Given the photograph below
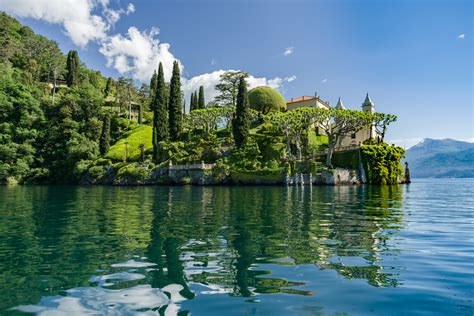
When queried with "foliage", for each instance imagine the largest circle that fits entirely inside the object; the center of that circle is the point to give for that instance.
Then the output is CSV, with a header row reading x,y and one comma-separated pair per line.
x,y
207,119
381,122
160,113
174,107
72,66
108,87
337,123
134,138
246,157
228,87
241,122
20,114
266,99
201,98
133,171
382,163
104,143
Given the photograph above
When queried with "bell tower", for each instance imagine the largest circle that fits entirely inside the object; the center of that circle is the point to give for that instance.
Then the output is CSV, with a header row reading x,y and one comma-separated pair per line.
x,y
368,105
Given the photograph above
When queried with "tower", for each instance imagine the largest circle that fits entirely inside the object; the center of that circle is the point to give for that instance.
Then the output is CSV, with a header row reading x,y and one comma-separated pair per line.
x,y
368,105
339,105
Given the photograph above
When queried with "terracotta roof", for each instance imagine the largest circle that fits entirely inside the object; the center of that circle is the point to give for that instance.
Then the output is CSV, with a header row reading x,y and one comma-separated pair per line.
x,y
300,99
307,98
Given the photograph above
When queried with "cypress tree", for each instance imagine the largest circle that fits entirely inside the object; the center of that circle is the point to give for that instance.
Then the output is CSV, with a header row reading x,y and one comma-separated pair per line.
x,y
108,87
160,113
241,122
201,102
196,102
104,142
140,114
191,103
153,84
174,105
72,66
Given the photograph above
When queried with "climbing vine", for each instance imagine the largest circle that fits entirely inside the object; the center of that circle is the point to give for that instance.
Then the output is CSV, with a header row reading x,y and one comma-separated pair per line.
x,y
382,163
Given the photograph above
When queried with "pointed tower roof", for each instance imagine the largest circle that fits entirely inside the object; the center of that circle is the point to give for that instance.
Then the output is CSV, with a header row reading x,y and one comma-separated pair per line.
x,y
339,104
367,101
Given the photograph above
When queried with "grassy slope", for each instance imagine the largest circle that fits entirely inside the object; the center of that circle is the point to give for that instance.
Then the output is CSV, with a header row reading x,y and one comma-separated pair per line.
x,y
135,137
143,135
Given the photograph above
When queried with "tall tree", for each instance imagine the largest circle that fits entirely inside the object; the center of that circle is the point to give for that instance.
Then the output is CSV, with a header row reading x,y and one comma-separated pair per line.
x,y
108,87
241,123
153,85
381,122
160,113
201,101
196,100
174,105
337,123
104,142
228,87
191,103
140,114
72,67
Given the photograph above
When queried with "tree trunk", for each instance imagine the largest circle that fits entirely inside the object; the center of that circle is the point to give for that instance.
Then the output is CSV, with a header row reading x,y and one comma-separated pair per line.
x,y
330,150
129,107
298,147
288,145
54,84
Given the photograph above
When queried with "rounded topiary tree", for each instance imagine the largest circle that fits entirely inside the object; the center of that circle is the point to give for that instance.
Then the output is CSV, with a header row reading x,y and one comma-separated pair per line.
x,y
265,100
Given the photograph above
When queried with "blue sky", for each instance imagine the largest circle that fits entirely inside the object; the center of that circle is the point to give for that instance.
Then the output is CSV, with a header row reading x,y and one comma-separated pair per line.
x,y
415,58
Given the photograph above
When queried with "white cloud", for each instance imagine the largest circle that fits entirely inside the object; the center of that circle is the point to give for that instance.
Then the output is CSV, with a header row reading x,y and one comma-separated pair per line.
x,y
137,54
209,81
461,36
288,51
324,80
76,17
291,78
130,8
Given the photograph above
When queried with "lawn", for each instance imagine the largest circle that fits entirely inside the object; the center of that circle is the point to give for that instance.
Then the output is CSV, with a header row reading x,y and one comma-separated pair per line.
x,y
135,137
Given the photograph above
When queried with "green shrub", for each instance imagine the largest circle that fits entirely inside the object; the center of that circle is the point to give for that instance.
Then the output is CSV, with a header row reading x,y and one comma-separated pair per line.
x,y
382,163
102,162
266,99
134,171
246,157
186,181
97,172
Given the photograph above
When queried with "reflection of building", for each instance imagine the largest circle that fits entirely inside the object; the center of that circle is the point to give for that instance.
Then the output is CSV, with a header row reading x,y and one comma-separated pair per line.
x,y
348,140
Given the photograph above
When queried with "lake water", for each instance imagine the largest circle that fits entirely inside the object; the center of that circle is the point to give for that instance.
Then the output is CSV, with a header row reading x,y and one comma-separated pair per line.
x,y
392,250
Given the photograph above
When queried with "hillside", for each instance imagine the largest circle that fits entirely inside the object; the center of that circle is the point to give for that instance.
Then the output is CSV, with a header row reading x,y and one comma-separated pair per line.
x,y
439,158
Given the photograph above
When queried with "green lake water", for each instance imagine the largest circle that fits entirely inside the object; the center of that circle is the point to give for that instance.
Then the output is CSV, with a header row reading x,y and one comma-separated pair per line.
x,y
358,250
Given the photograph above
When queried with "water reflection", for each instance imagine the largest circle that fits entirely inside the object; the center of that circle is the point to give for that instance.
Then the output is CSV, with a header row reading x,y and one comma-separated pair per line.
x,y
65,243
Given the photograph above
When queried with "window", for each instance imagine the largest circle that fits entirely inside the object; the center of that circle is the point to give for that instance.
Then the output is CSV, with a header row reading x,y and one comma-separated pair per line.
x,y
353,136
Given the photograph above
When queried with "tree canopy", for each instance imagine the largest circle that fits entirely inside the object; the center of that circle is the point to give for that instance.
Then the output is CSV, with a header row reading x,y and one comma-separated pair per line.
x,y
266,99
228,87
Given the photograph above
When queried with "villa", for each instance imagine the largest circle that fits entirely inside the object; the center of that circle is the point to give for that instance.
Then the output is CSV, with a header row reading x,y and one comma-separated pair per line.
x,y
349,140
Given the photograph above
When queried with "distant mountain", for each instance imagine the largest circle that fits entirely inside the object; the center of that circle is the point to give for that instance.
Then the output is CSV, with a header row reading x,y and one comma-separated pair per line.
x,y
441,158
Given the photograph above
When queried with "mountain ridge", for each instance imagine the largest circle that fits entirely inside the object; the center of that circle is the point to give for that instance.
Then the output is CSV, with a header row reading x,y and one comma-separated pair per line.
x,y
441,158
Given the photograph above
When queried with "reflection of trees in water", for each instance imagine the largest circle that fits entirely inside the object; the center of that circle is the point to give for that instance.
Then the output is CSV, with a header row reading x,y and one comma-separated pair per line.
x,y
307,225
222,236
164,248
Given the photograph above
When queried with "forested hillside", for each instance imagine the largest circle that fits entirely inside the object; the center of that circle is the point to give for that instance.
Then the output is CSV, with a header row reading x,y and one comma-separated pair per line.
x,y
52,108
